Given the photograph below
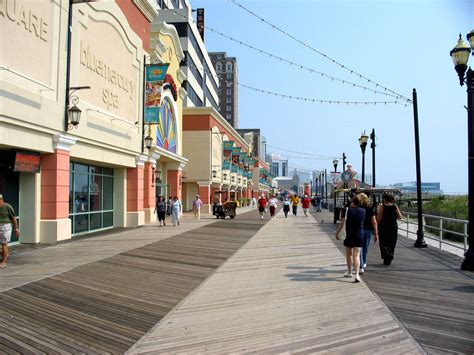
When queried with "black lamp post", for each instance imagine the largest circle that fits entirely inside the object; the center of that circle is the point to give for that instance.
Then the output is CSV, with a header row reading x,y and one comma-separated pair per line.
x,y
372,145
460,56
363,144
326,187
334,162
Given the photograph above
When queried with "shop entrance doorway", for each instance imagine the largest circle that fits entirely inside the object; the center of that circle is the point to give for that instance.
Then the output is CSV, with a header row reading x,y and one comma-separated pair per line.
x,y
10,185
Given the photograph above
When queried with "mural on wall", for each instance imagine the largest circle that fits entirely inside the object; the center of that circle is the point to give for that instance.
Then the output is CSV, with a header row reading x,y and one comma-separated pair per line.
x,y
166,132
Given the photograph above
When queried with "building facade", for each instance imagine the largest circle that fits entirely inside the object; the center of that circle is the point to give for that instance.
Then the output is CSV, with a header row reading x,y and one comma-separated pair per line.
x,y
201,84
227,71
220,163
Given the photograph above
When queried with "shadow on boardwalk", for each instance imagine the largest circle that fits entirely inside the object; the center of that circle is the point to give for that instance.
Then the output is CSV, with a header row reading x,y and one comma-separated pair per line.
x,y
426,291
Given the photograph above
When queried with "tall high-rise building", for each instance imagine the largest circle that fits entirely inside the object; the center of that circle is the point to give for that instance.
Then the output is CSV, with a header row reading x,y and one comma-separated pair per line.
x,y
227,71
275,168
201,83
284,167
256,140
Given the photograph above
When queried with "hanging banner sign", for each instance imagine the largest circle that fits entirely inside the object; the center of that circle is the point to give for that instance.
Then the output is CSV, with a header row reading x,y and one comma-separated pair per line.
x,y
235,155
227,153
154,77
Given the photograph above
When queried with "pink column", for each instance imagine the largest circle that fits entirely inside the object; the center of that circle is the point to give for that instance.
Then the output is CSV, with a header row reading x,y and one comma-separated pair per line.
x,y
205,194
135,189
148,189
55,185
174,181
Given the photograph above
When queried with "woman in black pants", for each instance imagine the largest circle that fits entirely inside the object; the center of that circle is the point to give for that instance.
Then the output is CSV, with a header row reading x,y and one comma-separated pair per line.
x,y
387,216
160,209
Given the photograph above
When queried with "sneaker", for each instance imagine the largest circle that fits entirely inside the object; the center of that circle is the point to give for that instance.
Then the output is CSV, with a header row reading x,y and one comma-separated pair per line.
x,y
365,266
348,274
261,217
361,270
357,279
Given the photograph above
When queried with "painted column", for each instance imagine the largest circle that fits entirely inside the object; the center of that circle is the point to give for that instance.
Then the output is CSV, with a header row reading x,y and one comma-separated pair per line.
x,y
205,196
135,213
149,189
55,224
174,180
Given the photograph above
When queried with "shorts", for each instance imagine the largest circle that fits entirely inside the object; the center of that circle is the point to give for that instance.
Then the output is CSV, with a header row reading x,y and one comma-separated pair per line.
x,y
261,209
5,233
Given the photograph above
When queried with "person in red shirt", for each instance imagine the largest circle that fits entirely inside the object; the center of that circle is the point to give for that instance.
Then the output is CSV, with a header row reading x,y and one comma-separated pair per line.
x,y
306,202
262,204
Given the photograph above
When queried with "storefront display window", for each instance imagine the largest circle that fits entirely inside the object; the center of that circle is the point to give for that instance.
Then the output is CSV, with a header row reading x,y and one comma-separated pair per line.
x,y
90,198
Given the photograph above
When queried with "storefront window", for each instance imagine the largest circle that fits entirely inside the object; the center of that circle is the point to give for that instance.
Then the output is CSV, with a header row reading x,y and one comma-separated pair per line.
x,y
90,198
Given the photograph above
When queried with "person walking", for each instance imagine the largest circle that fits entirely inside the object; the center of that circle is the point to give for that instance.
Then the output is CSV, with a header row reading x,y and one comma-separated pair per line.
x,y
262,205
272,203
318,203
387,216
254,202
8,223
197,204
160,210
354,223
305,202
169,204
286,206
294,203
176,210
370,228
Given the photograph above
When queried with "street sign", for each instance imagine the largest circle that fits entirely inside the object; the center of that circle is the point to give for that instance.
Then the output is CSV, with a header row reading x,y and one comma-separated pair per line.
x,y
346,176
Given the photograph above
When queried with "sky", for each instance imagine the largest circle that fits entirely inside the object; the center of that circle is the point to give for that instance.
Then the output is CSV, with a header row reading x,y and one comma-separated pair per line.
x,y
400,44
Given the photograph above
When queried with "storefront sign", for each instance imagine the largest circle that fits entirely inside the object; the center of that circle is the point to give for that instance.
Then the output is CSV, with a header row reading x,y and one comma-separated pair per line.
x,y
200,22
27,162
154,77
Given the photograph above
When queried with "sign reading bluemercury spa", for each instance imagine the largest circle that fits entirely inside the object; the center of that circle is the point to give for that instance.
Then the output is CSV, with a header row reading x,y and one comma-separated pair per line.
x,y
107,56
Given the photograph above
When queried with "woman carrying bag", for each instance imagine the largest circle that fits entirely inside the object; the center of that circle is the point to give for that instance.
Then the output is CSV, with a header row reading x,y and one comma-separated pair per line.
x,y
353,221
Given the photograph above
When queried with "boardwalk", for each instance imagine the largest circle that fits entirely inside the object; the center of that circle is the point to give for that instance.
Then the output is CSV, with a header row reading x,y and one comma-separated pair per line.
x,y
282,292
241,286
427,292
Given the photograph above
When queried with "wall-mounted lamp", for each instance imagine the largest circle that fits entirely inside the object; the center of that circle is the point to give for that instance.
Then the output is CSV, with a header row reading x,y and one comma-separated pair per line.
x,y
148,142
158,175
74,112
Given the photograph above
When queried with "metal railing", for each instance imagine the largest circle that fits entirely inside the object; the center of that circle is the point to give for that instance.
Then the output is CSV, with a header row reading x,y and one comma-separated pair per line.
x,y
410,218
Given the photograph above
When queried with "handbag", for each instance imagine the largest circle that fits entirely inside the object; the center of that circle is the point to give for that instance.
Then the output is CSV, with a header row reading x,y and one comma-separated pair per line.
x,y
342,233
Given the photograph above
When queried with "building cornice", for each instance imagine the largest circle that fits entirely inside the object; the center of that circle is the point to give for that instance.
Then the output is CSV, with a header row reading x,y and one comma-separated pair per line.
x,y
63,142
168,30
146,8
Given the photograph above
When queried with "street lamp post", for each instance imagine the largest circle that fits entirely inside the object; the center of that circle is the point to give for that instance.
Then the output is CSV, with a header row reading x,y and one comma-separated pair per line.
x,y
363,144
334,162
326,187
460,56
420,240
372,146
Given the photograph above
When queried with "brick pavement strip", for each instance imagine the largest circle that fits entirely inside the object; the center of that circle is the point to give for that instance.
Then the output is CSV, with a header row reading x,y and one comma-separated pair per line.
x,y
282,292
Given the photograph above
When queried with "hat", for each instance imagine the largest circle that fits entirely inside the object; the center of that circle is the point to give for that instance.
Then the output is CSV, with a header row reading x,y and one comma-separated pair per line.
x,y
1,197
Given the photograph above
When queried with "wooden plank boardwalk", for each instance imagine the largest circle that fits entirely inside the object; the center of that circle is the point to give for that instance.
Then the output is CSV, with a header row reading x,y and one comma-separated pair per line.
x,y
106,305
283,291
427,292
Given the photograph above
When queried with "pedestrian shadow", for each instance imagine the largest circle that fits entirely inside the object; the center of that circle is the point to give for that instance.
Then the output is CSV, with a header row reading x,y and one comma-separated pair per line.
x,y
463,289
316,274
